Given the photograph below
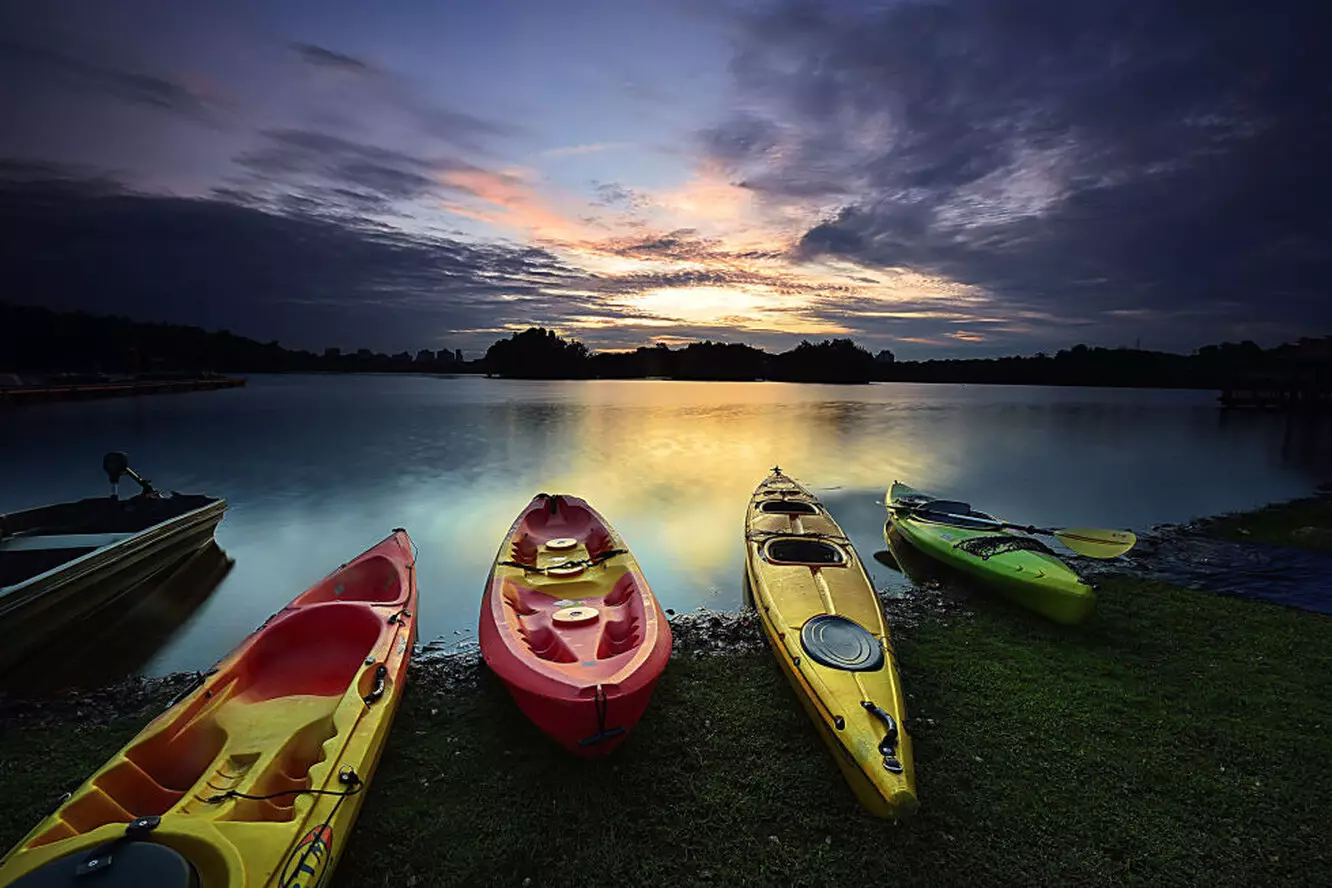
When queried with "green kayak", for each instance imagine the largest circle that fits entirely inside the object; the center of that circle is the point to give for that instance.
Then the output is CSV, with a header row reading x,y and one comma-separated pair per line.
x,y
1016,565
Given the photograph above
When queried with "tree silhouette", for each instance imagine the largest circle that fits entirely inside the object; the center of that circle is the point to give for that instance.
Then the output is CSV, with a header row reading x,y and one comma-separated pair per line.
x,y
537,353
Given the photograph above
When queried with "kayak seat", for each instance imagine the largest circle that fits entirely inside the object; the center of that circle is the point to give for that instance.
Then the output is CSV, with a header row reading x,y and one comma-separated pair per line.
x,y
544,641
560,520
313,651
802,550
375,579
841,643
618,635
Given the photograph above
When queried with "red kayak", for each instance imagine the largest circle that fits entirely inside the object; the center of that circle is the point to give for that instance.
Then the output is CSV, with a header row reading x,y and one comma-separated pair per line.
x,y
569,624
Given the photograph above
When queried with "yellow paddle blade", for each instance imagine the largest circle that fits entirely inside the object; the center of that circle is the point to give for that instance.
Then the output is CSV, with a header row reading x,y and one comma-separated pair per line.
x,y
1095,542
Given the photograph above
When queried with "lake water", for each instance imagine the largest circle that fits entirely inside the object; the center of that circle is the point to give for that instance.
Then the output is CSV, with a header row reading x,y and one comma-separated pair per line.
x,y
318,468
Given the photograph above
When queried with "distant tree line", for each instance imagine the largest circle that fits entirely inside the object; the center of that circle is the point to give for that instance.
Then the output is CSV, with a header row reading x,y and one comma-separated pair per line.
x,y
40,340
1212,366
536,353
541,354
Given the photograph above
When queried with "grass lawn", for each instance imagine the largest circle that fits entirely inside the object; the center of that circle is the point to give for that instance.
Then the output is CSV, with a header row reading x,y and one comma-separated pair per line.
x,y
1180,738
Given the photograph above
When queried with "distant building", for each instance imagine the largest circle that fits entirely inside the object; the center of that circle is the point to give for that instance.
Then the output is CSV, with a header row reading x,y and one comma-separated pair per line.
x,y
332,352
425,356
885,357
457,355
364,354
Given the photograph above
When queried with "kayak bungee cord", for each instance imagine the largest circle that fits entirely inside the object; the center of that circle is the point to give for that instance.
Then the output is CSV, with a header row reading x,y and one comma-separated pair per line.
x,y
599,559
986,547
346,774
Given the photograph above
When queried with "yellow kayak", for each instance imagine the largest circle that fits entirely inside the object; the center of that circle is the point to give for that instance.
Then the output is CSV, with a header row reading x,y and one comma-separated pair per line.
x,y
819,612
255,776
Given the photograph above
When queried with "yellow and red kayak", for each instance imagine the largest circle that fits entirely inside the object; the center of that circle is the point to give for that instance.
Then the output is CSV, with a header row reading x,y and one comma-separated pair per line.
x,y
256,776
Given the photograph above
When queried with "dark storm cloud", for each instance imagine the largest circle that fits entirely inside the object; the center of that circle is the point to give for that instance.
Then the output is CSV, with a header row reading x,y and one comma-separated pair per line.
x,y
291,158
1163,158
327,58
29,63
70,243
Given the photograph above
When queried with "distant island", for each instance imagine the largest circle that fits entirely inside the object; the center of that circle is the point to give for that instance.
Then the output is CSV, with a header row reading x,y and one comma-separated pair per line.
x,y
42,341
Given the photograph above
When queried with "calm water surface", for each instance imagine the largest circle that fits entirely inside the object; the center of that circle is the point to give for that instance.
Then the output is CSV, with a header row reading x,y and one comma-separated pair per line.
x,y
318,468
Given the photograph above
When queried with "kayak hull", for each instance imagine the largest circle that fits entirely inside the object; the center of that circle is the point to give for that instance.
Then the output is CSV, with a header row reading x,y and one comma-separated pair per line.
x,y
1036,580
570,626
258,773
797,590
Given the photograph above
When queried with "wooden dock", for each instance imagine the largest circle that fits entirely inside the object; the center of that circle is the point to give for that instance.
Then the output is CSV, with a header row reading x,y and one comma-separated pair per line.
x,y
37,394
1283,395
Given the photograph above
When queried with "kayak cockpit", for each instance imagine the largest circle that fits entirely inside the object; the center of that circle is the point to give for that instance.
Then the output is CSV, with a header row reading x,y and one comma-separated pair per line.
x,y
577,630
803,550
788,507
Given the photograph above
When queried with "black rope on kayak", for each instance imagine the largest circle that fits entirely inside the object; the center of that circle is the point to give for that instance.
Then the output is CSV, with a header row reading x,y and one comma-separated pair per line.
x,y
346,775
986,547
599,558
601,705
805,535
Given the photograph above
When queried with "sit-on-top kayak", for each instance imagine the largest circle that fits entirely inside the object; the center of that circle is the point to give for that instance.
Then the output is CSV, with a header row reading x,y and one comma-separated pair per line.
x,y
1018,566
570,626
256,775
819,612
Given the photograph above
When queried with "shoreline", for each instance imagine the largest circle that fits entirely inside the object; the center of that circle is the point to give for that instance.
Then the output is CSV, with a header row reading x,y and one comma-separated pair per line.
x,y
1178,734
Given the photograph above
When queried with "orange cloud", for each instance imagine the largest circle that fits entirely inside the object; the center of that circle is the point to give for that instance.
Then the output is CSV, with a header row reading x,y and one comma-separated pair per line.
x,y
706,252
508,199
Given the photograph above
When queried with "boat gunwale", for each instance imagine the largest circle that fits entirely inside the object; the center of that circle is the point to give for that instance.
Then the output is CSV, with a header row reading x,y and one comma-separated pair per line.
x,y
105,556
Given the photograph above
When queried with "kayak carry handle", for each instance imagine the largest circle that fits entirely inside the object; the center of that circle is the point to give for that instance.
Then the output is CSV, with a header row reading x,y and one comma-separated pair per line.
x,y
381,674
888,745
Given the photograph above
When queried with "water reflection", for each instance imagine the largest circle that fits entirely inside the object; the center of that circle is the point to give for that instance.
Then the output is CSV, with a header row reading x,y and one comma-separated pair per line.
x,y
318,469
121,638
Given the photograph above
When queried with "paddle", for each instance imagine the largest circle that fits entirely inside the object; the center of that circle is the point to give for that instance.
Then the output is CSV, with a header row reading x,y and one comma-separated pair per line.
x,y
1094,542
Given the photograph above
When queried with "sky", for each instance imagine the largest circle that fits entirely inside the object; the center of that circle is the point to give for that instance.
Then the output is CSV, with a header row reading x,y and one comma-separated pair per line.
x,y
942,178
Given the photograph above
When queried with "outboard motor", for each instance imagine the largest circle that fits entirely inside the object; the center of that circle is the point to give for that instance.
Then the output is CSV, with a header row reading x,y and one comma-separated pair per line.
x,y
116,465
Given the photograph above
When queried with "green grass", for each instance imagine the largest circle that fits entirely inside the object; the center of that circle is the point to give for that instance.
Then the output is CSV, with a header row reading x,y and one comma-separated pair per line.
x,y
1180,738
1304,523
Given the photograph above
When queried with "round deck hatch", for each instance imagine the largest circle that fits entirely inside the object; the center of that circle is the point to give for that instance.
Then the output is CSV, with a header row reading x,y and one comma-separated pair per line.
x,y
559,544
841,643
574,616
127,865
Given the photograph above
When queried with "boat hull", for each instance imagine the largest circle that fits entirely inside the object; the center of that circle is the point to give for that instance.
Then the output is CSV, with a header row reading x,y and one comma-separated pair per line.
x,y
572,629
803,574
33,612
